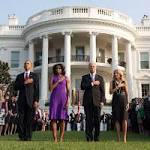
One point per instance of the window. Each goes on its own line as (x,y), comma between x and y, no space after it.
(58,52)
(121,59)
(145,89)
(80,53)
(15,59)
(101,56)
(58,55)
(38,55)
(121,56)
(144,60)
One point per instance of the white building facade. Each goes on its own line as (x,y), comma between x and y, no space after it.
(75,36)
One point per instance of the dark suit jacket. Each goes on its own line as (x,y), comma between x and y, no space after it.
(95,94)
(29,92)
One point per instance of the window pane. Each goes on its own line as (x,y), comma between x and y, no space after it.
(15,59)
(144,60)
(38,55)
(144,65)
(145,89)
(80,53)
(101,55)
(144,56)
(58,52)
(121,56)
(80,50)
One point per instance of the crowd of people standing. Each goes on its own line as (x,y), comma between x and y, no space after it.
(8,115)
(22,113)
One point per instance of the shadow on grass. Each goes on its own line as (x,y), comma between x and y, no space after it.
(74,136)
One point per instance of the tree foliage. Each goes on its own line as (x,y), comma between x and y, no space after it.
(4,73)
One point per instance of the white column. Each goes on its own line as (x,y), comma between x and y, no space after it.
(93,47)
(129,70)
(44,72)
(114,52)
(67,57)
(67,53)
(31,51)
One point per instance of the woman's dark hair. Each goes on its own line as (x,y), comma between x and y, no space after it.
(62,68)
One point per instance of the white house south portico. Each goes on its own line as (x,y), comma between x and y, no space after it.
(72,58)
(76,36)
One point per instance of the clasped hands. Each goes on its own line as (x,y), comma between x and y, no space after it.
(95,83)
(120,85)
(28,81)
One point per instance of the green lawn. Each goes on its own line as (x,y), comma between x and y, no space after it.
(75,141)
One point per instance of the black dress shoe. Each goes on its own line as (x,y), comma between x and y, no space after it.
(89,139)
(21,139)
(96,139)
(27,139)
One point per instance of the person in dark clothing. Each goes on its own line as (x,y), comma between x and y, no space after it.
(13,114)
(27,84)
(120,104)
(133,116)
(7,117)
(72,121)
(147,114)
(38,121)
(93,100)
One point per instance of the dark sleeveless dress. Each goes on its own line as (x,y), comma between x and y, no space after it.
(119,102)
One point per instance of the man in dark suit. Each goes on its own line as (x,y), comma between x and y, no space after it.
(93,100)
(27,84)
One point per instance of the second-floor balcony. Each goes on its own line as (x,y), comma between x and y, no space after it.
(78,58)
(74,58)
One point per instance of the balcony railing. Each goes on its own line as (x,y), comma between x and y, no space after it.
(84,58)
(80,12)
(100,59)
(77,58)
(55,59)
(50,60)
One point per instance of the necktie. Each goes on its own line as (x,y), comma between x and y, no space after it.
(26,75)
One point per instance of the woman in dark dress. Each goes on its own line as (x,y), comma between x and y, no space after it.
(120,105)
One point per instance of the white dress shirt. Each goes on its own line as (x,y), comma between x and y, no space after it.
(92,76)
(26,73)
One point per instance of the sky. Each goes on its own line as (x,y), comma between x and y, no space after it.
(23,9)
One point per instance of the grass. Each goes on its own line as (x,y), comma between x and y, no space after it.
(75,141)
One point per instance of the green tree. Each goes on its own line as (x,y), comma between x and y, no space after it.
(5,78)
(6,85)
(10,89)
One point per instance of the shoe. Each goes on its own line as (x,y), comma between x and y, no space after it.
(89,139)
(27,139)
(21,139)
(96,139)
